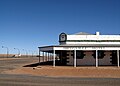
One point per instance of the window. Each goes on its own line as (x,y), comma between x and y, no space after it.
(100,54)
(80,54)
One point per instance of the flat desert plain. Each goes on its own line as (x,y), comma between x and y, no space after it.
(16,65)
(13,73)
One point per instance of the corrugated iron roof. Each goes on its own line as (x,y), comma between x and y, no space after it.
(82,33)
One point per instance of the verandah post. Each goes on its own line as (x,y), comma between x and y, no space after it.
(118,58)
(96,58)
(74,58)
(53,58)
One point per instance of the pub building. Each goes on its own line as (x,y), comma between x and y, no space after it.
(84,49)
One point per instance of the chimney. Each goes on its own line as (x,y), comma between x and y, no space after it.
(97,33)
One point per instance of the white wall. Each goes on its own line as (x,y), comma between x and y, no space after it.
(92,43)
(70,58)
(93,37)
(106,60)
(89,59)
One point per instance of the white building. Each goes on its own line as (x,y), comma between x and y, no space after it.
(85,49)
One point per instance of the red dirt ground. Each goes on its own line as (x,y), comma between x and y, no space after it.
(60,71)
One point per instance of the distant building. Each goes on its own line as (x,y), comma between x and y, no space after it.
(86,49)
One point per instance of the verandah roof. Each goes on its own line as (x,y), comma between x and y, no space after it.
(81,47)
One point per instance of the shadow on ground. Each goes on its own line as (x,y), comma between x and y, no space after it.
(57,63)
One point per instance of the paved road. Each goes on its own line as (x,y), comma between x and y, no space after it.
(28,80)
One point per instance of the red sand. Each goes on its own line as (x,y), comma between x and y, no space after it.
(67,71)
(60,71)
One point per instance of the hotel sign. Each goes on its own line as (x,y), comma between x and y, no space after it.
(83,48)
(87,48)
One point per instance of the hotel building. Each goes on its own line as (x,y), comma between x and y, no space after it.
(83,49)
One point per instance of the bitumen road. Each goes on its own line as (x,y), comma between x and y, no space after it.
(29,80)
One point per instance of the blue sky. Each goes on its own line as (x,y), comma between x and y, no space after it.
(27,24)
